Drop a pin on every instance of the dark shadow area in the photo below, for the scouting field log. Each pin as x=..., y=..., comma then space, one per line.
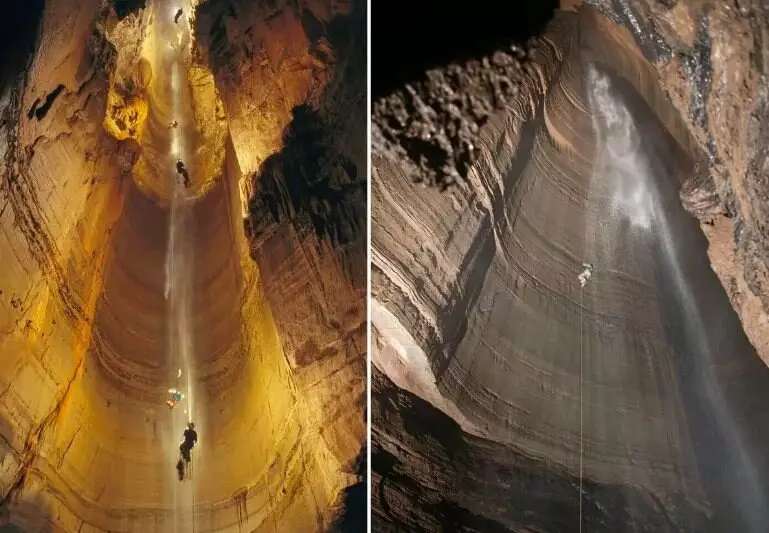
x=40, y=112
x=310, y=183
x=5, y=521
x=408, y=38
x=41, y=517
x=123, y=8
x=6, y=439
x=352, y=515
x=18, y=36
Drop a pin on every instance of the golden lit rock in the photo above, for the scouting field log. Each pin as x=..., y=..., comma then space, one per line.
x=125, y=116
x=144, y=74
x=115, y=276
x=284, y=52
x=210, y=126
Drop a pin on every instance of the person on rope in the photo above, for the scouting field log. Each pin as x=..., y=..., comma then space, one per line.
x=190, y=438
x=174, y=398
x=178, y=14
x=182, y=170
x=585, y=275
x=173, y=124
x=180, y=469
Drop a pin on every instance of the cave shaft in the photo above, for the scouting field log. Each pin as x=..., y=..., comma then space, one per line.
x=118, y=276
x=640, y=381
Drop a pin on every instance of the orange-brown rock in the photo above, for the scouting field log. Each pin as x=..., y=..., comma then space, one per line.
x=113, y=279
x=281, y=50
x=502, y=387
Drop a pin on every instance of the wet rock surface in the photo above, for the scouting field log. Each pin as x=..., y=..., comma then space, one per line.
x=714, y=70
x=468, y=280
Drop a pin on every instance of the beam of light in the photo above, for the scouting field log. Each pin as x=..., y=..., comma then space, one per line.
x=179, y=275
x=175, y=144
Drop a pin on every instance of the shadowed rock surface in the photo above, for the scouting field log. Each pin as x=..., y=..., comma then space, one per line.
x=411, y=495
x=647, y=381
x=89, y=341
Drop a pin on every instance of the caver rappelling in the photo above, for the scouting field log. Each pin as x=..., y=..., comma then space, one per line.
x=190, y=437
x=174, y=398
x=585, y=274
x=583, y=277
x=182, y=170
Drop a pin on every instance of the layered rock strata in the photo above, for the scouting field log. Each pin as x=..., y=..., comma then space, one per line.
x=88, y=333
x=639, y=381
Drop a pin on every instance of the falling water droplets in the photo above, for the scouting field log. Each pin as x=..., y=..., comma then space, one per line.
x=621, y=164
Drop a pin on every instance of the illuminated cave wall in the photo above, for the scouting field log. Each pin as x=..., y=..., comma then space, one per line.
x=479, y=325
x=279, y=346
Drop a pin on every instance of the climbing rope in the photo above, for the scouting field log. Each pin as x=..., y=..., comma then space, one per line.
x=193, y=502
x=581, y=299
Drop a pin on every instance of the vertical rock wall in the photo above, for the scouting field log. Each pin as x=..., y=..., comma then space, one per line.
x=85, y=440
x=478, y=310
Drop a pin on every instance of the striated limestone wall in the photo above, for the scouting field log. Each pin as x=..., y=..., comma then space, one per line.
x=711, y=60
x=478, y=311
x=87, y=442
x=308, y=236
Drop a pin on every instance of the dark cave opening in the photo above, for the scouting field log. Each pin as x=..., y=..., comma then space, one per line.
x=353, y=507
x=123, y=8
x=309, y=179
x=409, y=38
x=18, y=36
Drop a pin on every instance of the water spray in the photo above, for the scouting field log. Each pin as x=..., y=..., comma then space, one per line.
x=630, y=192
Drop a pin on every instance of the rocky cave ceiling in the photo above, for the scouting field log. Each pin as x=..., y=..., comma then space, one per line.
x=631, y=134
x=115, y=278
